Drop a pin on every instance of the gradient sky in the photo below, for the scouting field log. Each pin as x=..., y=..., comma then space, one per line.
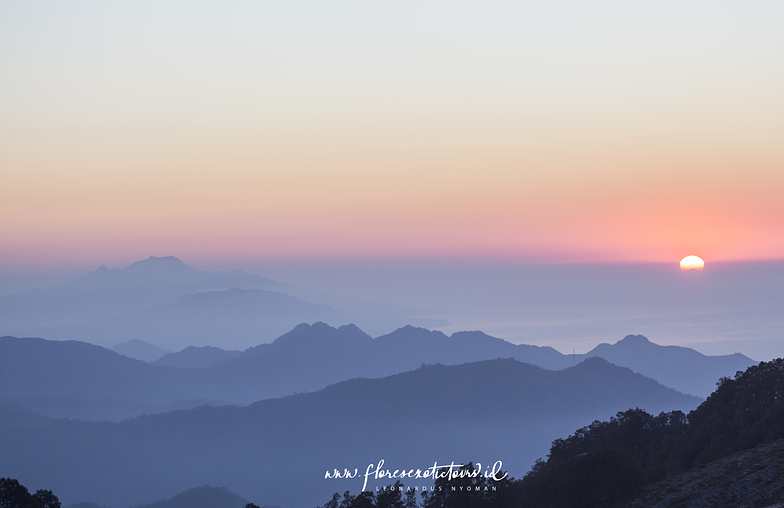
x=524, y=131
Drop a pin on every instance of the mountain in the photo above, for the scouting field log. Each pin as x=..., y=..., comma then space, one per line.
x=107, y=409
x=279, y=449
x=204, y=497
x=197, y=357
x=609, y=462
x=163, y=301
x=78, y=380
x=197, y=497
x=461, y=347
x=234, y=317
x=677, y=367
x=104, y=292
x=140, y=350
x=14, y=415
x=307, y=358
x=32, y=367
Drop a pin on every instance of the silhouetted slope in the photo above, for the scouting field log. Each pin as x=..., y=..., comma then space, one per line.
x=203, y=497
x=161, y=273
x=104, y=292
x=607, y=462
x=14, y=415
x=32, y=367
x=107, y=409
x=307, y=358
x=410, y=343
x=279, y=449
x=310, y=357
x=750, y=478
x=232, y=316
x=678, y=367
x=197, y=357
x=197, y=497
x=166, y=302
x=139, y=350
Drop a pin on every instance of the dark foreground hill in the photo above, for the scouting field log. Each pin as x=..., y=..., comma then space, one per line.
x=729, y=451
x=750, y=478
x=204, y=497
x=610, y=461
x=278, y=450
x=197, y=497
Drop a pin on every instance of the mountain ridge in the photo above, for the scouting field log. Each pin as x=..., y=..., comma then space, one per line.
x=307, y=358
x=408, y=419
x=160, y=299
x=679, y=367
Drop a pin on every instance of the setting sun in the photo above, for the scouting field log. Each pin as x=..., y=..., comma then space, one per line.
x=692, y=263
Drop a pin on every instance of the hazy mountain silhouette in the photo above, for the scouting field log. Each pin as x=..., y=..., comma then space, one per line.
x=140, y=350
x=234, y=316
x=14, y=415
x=168, y=303
x=78, y=380
x=197, y=357
x=279, y=449
x=677, y=367
x=462, y=347
x=197, y=497
x=104, y=292
x=204, y=497
x=70, y=369
x=107, y=409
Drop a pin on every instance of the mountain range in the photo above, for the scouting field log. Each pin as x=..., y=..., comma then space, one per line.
x=163, y=301
x=71, y=379
x=196, y=497
x=279, y=449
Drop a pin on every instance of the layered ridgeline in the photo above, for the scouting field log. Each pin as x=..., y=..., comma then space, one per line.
x=278, y=450
x=165, y=302
x=71, y=379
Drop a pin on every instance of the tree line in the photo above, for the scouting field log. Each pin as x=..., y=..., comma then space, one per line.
x=15, y=495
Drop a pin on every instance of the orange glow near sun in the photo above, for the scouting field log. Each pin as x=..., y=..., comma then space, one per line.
x=692, y=263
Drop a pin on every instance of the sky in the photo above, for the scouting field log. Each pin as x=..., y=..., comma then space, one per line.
x=530, y=132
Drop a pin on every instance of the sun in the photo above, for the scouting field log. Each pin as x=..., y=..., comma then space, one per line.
x=692, y=263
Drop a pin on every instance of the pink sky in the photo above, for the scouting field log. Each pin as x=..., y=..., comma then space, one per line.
x=524, y=134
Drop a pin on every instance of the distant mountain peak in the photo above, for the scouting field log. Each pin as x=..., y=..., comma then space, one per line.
x=321, y=333
x=593, y=362
x=351, y=327
x=153, y=262
x=165, y=259
x=635, y=340
x=139, y=350
x=411, y=334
